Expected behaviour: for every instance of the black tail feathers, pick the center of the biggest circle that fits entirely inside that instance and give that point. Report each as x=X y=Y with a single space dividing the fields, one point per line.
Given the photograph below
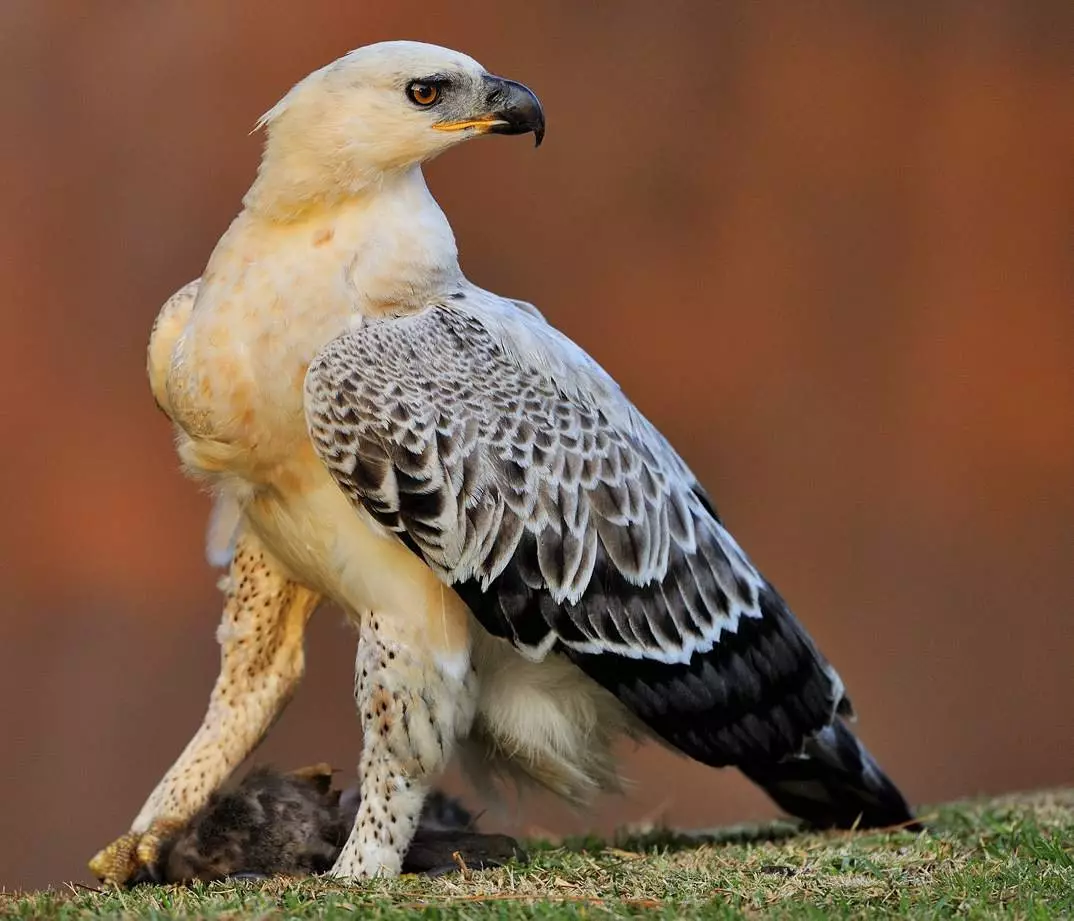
x=834 y=783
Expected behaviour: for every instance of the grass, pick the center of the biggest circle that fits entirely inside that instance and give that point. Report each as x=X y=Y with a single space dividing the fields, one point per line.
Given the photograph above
x=1011 y=857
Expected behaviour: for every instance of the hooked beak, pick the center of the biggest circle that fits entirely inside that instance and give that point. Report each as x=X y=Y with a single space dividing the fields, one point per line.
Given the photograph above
x=509 y=108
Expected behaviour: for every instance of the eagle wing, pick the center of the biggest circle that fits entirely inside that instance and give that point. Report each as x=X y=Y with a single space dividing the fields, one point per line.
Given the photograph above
x=513 y=465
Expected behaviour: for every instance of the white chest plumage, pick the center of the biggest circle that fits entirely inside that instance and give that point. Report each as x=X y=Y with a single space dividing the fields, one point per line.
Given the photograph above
x=228 y=366
x=274 y=294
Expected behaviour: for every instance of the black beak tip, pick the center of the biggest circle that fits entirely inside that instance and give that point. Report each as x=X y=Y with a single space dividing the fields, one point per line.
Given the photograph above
x=518 y=108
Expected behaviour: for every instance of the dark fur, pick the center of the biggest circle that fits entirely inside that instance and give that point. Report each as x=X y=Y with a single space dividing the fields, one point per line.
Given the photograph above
x=276 y=824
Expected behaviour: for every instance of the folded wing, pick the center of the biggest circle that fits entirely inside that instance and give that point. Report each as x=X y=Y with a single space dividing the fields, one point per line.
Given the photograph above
x=519 y=472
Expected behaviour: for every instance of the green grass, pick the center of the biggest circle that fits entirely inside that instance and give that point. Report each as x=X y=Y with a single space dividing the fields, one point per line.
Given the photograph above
x=1011 y=857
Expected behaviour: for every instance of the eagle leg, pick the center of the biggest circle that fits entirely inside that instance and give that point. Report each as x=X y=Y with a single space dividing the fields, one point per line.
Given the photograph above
x=261 y=663
x=415 y=699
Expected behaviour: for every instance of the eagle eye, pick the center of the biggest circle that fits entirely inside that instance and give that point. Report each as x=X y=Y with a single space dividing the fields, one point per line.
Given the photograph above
x=423 y=93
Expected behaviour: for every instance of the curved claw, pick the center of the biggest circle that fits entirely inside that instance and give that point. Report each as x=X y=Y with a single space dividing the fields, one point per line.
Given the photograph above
x=133 y=856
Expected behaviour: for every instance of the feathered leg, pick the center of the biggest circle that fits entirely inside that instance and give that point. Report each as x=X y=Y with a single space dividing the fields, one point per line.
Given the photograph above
x=416 y=695
x=261 y=663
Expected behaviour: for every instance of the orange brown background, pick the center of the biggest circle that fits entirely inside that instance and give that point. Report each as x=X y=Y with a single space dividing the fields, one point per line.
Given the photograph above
x=828 y=248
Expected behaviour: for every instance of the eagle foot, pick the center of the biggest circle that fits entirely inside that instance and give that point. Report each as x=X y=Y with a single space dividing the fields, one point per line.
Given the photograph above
x=134 y=854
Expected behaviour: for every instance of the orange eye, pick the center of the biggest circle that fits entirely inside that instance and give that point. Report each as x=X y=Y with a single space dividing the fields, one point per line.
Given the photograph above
x=423 y=94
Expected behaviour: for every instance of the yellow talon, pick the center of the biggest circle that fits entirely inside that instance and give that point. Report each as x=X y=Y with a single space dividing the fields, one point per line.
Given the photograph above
x=118 y=862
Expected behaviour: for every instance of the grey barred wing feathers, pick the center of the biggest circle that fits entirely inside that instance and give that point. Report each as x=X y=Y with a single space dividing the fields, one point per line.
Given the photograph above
x=566 y=522
x=444 y=436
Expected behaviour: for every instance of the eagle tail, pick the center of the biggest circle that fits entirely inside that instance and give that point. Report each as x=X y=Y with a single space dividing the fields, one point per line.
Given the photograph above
x=834 y=783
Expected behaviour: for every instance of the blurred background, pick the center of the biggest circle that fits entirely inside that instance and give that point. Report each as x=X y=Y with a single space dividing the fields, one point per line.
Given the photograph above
x=828 y=250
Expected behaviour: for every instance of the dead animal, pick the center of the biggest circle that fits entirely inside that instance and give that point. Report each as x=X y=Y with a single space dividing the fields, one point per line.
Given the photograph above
x=295 y=824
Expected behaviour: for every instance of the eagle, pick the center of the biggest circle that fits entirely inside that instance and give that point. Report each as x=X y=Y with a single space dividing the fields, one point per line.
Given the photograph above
x=532 y=570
